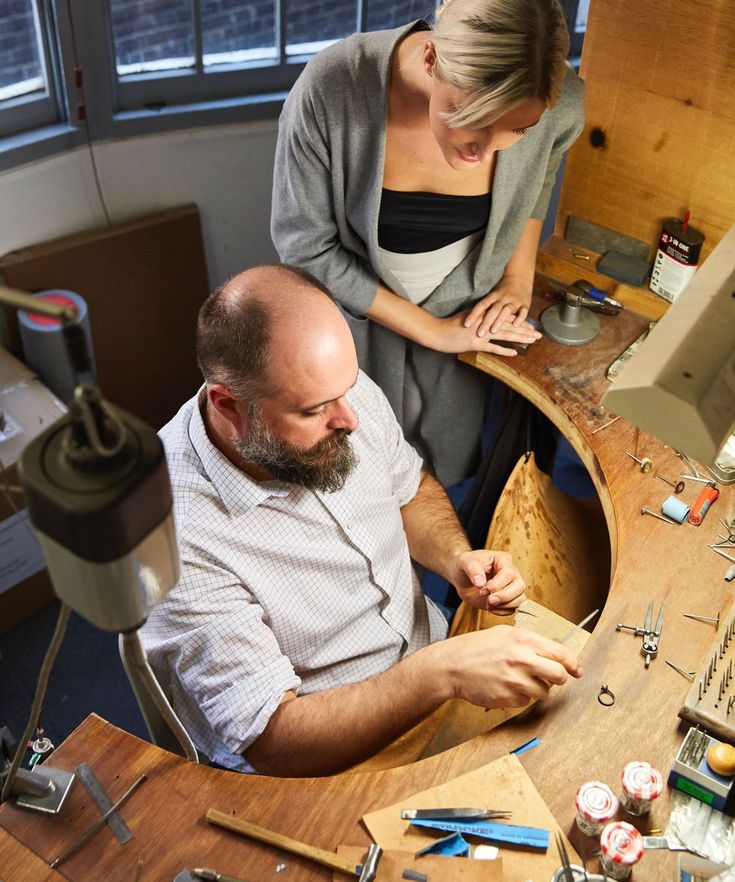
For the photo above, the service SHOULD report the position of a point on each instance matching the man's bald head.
(264, 324)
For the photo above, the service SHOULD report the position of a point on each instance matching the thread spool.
(44, 348)
(676, 509)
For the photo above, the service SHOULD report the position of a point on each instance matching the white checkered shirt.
(284, 588)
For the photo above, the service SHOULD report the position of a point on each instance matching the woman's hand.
(454, 335)
(507, 303)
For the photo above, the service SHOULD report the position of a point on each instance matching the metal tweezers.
(449, 814)
(569, 872)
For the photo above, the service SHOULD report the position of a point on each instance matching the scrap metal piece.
(51, 788)
(369, 868)
(103, 802)
(97, 824)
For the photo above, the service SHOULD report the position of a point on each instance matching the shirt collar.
(239, 492)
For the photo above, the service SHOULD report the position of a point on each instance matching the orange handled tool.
(708, 495)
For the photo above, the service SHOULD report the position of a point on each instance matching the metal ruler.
(92, 785)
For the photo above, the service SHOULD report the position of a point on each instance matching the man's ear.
(229, 408)
(429, 58)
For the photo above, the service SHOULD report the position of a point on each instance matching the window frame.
(147, 103)
(26, 112)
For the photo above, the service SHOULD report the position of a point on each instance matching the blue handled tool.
(508, 834)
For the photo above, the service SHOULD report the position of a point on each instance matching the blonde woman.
(412, 174)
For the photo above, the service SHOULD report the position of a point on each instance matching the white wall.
(226, 170)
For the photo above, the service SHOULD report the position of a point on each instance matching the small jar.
(596, 805)
(641, 785)
(621, 846)
(579, 874)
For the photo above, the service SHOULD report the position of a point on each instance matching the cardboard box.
(26, 409)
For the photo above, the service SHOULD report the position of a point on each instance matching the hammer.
(365, 872)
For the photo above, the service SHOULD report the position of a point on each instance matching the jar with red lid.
(641, 784)
(621, 847)
(596, 806)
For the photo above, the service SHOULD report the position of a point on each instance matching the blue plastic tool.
(509, 834)
(534, 742)
(453, 845)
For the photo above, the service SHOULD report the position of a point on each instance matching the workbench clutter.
(518, 824)
(571, 322)
(374, 865)
(703, 482)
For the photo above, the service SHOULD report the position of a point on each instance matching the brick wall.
(149, 30)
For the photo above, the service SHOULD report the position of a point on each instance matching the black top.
(412, 222)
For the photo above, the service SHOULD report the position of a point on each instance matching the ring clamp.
(606, 696)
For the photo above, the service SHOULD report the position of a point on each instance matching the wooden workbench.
(580, 738)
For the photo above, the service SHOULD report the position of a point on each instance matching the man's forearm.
(432, 528)
(327, 732)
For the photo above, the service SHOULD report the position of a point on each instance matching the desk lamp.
(99, 497)
(680, 384)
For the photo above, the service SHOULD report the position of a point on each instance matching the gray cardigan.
(327, 186)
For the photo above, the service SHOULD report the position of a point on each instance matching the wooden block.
(436, 867)
(502, 784)
(715, 683)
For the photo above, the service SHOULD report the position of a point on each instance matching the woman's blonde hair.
(500, 53)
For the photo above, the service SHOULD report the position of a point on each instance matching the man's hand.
(488, 580)
(504, 666)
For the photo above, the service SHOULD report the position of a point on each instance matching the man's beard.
(325, 466)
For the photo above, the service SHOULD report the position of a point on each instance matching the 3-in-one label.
(676, 259)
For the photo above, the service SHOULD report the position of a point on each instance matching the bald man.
(298, 639)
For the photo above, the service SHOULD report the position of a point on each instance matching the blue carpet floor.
(87, 677)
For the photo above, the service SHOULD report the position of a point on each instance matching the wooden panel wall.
(660, 83)
(143, 282)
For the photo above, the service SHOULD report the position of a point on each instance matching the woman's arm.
(443, 334)
(510, 299)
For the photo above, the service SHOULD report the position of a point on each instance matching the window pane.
(311, 24)
(394, 13)
(21, 68)
(152, 35)
(238, 31)
(580, 25)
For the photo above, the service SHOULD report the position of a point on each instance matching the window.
(150, 65)
(28, 93)
(179, 51)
